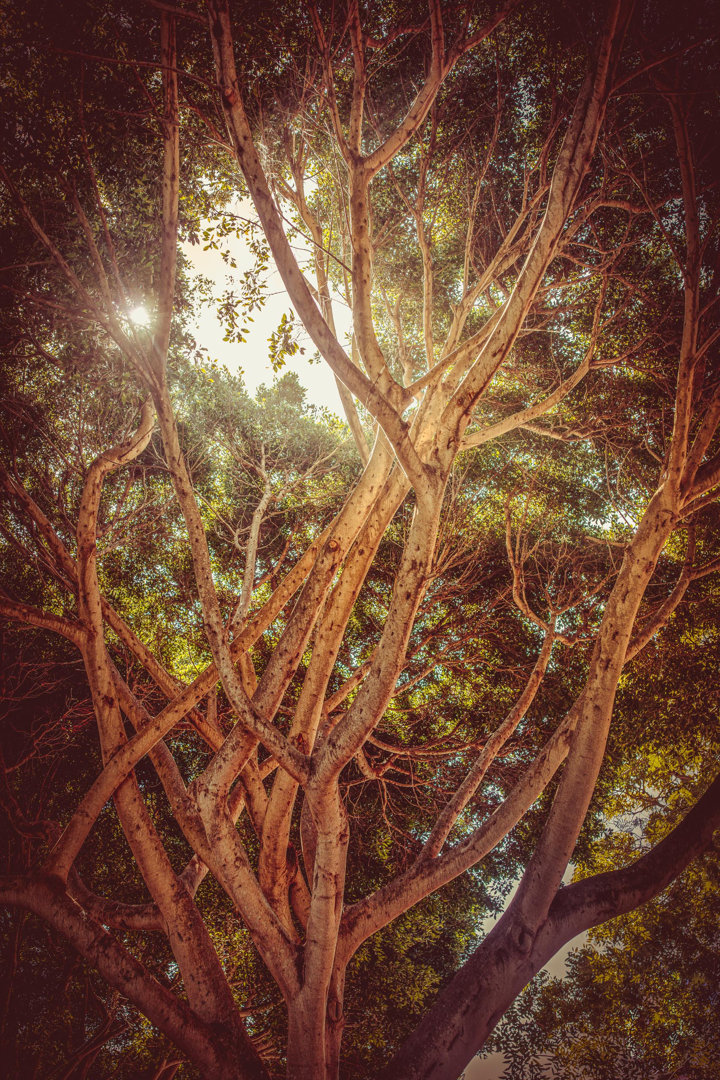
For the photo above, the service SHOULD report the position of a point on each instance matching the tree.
(520, 213)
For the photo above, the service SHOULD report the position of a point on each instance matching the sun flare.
(140, 316)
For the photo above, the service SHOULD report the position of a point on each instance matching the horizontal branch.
(46, 620)
(369, 915)
(526, 416)
(118, 967)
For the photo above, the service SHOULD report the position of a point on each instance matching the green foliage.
(76, 131)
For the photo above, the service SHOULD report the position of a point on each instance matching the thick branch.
(471, 1005)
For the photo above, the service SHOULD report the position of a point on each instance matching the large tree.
(398, 667)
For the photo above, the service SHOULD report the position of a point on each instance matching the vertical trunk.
(315, 1029)
(335, 1022)
(306, 1039)
(308, 1011)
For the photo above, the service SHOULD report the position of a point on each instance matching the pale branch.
(93, 249)
(374, 694)
(385, 409)
(440, 66)
(457, 361)
(524, 417)
(515, 242)
(334, 700)
(251, 548)
(693, 474)
(552, 854)
(307, 716)
(288, 652)
(361, 276)
(369, 915)
(188, 937)
(216, 632)
(46, 620)
(360, 80)
(207, 989)
(690, 266)
(331, 99)
(150, 731)
(461, 797)
(216, 842)
(170, 196)
(571, 166)
(323, 291)
(115, 914)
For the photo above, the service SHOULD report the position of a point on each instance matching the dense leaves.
(522, 490)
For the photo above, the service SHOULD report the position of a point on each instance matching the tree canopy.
(292, 702)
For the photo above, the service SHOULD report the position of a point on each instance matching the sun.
(139, 316)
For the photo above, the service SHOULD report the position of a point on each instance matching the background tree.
(312, 723)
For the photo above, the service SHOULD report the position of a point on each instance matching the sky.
(252, 356)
